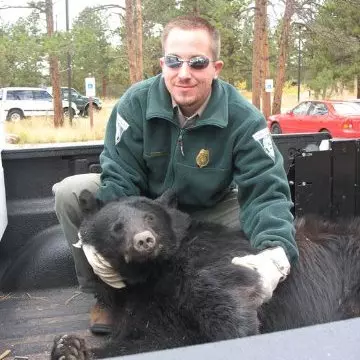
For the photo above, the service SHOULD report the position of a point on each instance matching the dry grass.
(41, 130)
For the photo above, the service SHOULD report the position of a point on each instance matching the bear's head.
(133, 231)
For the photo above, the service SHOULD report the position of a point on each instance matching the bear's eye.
(117, 227)
(149, 217)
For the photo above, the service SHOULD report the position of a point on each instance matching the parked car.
(337, 117)
(81, 101)
(20, 102)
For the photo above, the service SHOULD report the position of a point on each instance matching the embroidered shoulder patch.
(121, 126)
(263, 137)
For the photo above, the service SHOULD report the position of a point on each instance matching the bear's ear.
(168, 198)
(88, 202)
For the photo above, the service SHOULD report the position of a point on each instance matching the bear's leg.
(224, 301)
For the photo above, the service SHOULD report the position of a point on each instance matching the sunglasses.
(197, 62)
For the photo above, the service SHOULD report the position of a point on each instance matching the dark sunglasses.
(197, 62)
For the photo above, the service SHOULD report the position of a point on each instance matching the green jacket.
(146, 152)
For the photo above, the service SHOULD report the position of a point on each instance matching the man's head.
(191, 47)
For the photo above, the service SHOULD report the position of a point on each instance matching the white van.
(20, 102)
(3, 211)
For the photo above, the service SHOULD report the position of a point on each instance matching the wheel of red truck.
(275, 129)
(15, 115)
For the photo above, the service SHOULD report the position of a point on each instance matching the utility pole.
(68, 63)
(299, 64)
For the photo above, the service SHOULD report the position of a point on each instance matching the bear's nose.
(144, 241)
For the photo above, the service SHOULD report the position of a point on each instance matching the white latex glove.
(272, 265)
(101, 267)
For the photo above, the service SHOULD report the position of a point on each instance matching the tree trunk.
(54, 69)
(266, 101)
(130, 39)
(196, 8)
(104, 86)
(283, 53)
(256, 61)
(56, 92)
(139, 42)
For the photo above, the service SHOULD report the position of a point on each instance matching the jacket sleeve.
(264, 193)
(122, 163)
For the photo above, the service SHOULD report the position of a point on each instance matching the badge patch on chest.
(121, 126)
(202, 158)
(263, 137)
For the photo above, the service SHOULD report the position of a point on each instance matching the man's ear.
(162, 63)
(168, 198)
(88, 202)
(219, 64)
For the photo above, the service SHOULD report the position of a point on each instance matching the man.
(188, 130)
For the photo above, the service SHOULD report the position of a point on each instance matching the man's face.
(189, 87)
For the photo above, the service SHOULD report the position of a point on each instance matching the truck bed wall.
(29, 177)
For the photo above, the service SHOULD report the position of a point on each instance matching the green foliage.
(89, 48)
(22, 61)
(333, 46)
(323, 83)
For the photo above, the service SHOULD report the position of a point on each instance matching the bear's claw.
(69, 347)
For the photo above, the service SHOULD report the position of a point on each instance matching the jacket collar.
(160, 104)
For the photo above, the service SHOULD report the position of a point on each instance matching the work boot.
(100, 319)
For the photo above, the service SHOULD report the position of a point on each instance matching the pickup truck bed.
(322, 182)
(30, 320)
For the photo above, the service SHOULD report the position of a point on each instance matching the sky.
(75, 6)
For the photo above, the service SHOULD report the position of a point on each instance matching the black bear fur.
(185, 290)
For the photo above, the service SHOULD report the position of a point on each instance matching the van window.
(19, 95)
(41, 95)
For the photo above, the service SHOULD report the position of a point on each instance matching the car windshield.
(346, 109)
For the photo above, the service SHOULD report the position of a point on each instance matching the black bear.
(182, 288)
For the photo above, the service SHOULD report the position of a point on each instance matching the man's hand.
(100, 266)
(272, 265)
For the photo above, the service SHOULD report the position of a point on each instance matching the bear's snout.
(144, 242)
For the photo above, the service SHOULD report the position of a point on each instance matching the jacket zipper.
(180, 142)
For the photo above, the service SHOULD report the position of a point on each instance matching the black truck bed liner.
(29, 321)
